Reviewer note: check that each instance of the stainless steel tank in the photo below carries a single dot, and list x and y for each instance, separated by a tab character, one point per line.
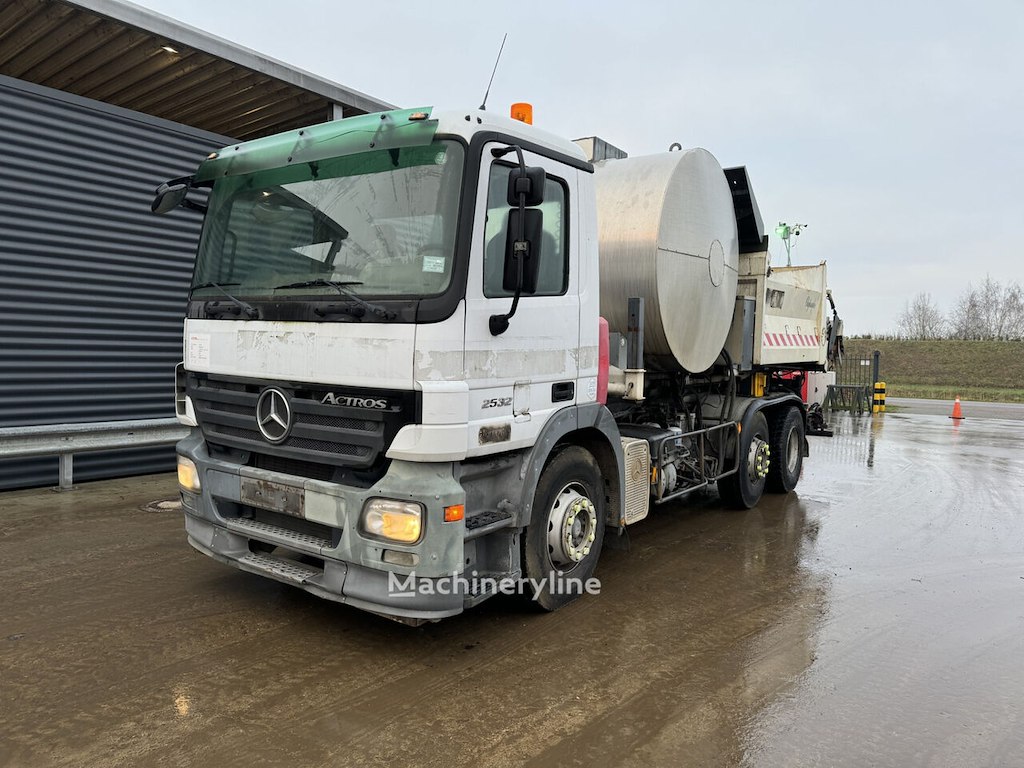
667	233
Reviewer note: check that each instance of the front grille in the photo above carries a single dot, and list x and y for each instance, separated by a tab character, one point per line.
302	443
339	423
322	436
295	467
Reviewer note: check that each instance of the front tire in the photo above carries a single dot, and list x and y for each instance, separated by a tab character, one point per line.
566	530
787	443
743	488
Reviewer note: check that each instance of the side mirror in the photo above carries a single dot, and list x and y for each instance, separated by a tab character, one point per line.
168	197
532	232
523	238
529	180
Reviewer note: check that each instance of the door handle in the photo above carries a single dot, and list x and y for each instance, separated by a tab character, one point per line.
562	391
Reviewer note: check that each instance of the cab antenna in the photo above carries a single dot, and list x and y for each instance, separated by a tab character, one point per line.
487	93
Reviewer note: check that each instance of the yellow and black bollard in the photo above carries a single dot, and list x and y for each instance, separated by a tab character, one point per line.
878	406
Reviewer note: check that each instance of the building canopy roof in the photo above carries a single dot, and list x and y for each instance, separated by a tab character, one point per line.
121	54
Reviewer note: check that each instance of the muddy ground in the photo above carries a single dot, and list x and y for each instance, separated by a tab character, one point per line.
873	617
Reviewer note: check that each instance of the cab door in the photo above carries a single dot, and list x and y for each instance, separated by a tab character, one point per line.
519	378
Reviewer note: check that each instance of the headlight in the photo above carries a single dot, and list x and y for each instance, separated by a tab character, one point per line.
393	520
188	475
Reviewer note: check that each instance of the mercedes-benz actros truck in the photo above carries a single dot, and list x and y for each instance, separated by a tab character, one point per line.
431	355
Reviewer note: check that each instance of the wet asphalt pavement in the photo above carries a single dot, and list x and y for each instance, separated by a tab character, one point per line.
970	409
873	617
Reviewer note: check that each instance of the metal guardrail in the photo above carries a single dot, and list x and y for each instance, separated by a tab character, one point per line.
65	440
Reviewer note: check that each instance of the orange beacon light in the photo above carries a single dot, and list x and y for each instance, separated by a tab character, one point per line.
523	112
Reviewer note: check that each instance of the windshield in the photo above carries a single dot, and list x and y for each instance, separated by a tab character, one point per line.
382	222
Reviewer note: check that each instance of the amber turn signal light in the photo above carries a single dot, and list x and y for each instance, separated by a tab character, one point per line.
454	513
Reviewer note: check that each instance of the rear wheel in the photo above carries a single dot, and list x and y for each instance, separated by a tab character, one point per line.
563	540
743	488
787	444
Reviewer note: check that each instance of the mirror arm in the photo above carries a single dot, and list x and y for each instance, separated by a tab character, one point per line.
498	324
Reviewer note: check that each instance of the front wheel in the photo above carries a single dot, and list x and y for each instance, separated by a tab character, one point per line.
787	445
743	488
563	540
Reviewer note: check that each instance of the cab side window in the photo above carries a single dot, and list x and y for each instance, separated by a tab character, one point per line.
554	246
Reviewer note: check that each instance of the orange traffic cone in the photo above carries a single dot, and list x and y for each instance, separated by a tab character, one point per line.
957	413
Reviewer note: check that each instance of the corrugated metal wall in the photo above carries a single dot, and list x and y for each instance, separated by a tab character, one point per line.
92	285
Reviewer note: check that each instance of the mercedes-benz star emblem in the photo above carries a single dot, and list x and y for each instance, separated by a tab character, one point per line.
274	415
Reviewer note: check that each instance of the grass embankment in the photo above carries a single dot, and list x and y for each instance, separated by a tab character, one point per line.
990	371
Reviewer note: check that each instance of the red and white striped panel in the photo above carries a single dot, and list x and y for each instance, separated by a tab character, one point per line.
791	340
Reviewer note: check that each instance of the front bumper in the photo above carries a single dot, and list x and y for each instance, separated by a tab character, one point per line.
311	537
374	591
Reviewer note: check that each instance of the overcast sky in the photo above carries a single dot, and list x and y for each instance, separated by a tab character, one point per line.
893	129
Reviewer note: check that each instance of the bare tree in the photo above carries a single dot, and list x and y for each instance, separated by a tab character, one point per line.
1013	306
921	319
965	319
991	311
991	296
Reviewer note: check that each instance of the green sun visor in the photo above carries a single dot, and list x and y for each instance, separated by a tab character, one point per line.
363	133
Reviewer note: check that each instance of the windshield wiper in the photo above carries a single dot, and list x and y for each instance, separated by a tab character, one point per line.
362	306
216	308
